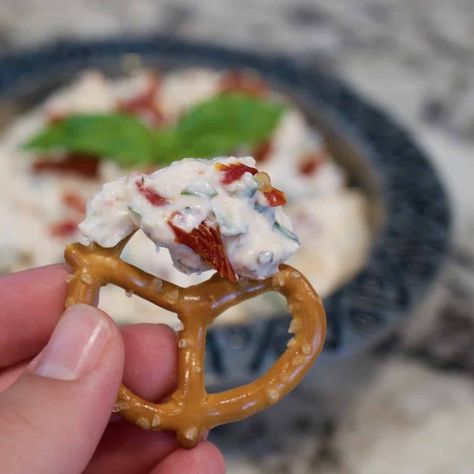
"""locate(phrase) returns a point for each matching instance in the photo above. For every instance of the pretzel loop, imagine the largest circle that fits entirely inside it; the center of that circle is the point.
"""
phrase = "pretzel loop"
(190, 410)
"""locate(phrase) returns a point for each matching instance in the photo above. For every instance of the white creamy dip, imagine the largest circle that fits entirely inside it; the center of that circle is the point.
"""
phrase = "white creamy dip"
(256, 236)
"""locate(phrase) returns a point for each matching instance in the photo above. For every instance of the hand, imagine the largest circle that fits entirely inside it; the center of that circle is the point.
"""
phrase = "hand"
(55, 409)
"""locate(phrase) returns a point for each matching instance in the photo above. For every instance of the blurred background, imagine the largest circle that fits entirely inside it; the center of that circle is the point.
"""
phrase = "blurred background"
(408, 406)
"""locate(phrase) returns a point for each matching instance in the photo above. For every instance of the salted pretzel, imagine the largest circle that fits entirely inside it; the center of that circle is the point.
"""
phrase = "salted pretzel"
(190, 410)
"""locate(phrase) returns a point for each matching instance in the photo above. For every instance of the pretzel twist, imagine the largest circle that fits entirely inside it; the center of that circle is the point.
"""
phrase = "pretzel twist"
(190, 410)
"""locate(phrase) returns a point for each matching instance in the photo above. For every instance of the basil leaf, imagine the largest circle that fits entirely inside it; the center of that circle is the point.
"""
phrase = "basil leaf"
(225, 123)
(120, 137)
(166, 146)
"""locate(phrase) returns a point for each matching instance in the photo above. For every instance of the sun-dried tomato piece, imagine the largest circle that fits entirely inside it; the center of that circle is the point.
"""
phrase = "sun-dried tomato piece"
(144, 104)
(275, 197)
(151, 195)
(243, 81)
(206, 241)
(81, 164)
(64, 228)
(262, 151)
(310, 163)
(75, 202)
(233, 171)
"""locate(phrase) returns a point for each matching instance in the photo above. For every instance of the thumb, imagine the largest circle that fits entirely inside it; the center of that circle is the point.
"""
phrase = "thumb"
(52, 418)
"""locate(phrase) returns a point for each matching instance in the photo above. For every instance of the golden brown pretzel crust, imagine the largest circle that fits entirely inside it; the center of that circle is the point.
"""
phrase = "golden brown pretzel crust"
(190, 410)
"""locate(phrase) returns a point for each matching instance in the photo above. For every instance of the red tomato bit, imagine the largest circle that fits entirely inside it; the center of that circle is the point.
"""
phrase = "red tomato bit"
(75, 202)
(234, 171)
(80, 164)
(262, 151)
(245, 82)
(144, 104)
(275, 197)
(311, 162)
(64, 228)
(206, 241)
(153, 197)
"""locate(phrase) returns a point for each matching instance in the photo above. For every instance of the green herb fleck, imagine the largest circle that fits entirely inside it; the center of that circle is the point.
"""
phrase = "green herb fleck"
(286, 232)
(136, 215)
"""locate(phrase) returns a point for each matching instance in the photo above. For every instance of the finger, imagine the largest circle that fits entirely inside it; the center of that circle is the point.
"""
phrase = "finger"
(150, 371)
(151, 361)
(120, 440)
(11, 374)
(52, 418)
(32, 302)
(205, 458)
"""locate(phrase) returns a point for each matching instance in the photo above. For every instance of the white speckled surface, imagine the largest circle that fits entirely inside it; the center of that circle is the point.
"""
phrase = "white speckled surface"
(408, 408)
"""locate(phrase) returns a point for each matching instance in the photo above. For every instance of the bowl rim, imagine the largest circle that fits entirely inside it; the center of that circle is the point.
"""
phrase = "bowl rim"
(414, 236)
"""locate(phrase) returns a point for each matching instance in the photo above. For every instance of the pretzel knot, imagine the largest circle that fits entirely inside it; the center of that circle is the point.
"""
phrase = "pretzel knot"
(190, 410)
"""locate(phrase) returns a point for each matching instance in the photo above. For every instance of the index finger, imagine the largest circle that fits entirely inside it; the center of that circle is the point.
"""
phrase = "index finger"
(31, 301)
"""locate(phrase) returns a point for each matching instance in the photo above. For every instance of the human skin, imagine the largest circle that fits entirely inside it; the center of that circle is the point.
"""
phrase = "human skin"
(55, 407)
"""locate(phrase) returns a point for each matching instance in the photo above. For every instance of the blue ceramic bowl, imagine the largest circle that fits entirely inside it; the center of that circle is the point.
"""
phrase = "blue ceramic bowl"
(410, 211)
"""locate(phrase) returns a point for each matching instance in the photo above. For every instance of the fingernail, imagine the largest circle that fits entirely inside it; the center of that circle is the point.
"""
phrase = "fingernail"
(76, 345)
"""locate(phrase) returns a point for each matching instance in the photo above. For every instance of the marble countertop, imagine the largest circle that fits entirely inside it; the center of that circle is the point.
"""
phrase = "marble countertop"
(408, 406)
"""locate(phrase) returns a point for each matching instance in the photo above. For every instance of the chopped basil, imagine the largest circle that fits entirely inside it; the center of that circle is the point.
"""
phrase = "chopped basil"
(286, 232)
(193, 191)
(136, 215)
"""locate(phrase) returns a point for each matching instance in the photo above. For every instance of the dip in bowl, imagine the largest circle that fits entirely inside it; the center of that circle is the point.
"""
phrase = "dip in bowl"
(370, 211)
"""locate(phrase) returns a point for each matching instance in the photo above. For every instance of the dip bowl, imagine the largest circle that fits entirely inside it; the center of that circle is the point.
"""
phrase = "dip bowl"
(409, 211)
